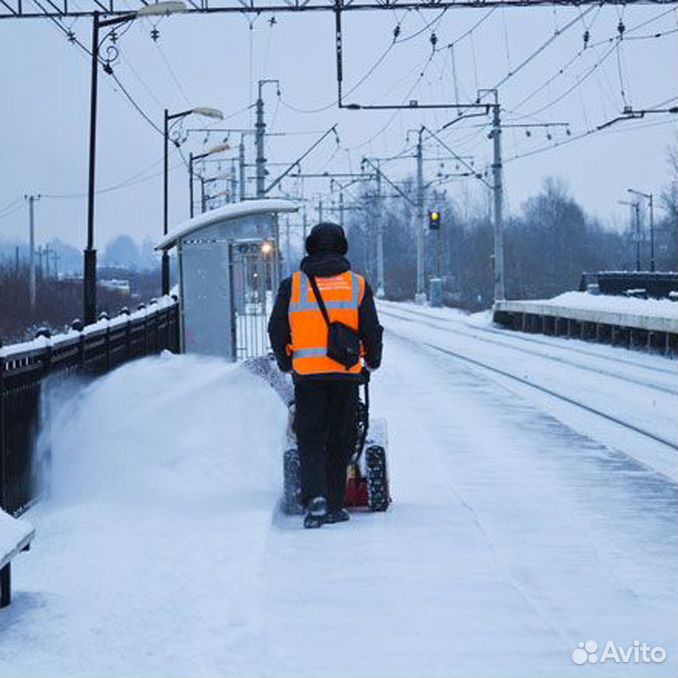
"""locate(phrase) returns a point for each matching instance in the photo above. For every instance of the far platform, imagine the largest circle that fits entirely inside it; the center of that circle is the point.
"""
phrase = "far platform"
(626, 321)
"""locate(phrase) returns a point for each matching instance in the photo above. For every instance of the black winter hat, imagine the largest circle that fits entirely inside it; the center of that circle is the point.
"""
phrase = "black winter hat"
(327, 237)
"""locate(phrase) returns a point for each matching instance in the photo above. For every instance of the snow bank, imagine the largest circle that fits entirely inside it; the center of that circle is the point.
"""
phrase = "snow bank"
(165, 476)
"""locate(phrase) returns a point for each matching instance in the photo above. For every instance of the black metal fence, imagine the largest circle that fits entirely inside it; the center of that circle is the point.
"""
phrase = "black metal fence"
(88, 351)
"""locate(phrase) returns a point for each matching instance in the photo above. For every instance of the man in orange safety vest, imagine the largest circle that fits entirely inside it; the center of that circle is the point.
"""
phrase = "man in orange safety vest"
(326, 391)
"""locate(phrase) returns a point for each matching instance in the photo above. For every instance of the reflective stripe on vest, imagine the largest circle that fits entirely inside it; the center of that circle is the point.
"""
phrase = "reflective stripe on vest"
(342, 295)
(305, 305)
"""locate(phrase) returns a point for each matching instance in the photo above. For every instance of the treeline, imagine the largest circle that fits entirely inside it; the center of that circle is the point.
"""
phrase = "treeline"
(548, 245)
(59, 302)
(57, 257)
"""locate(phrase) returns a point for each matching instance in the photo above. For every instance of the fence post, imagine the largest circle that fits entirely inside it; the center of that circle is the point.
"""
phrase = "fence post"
(78, 327)
(156, 334)
(3, 450)
(128, 343)
(141, 307)
(46, 359)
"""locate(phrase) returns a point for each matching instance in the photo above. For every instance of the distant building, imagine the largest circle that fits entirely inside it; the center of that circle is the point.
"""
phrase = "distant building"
(115, 285)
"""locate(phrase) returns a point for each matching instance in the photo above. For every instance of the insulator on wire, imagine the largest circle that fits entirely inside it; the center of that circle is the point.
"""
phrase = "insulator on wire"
(434, 40)
(396, 32)
(621, 28)
(587, 37)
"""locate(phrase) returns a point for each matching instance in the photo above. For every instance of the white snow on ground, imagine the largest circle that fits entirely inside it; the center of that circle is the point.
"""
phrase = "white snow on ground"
(660, 308)
(148, 555)
(511, 538)
(639, 388)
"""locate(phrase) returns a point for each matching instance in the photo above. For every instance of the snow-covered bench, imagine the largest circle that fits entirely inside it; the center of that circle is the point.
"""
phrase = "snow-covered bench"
(15, 536)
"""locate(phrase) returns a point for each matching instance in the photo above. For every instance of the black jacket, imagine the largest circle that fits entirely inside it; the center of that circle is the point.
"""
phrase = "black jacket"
(324, 265)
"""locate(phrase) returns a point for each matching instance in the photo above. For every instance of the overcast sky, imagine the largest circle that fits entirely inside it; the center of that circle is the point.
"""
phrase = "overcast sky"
(205, 60)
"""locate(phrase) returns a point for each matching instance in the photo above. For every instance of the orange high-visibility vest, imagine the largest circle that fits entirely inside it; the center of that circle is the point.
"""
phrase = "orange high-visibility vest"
(342, 295)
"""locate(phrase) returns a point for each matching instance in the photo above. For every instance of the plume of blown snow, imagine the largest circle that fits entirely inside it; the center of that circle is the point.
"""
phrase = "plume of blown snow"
(189, 432)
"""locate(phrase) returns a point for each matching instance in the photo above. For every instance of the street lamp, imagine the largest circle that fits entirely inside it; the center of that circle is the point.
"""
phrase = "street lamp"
(90, 254)
(635, 206)
(650, 198)
(220, 148)
(206, 112)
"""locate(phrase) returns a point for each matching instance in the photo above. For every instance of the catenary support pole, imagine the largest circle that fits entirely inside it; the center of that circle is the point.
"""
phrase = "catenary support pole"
(380, 237)
(498, 193)
(234, 183)
(420, 296)
(90, 254)
(190, 184)
(260, 127)
(636, 209)
(165, 261)
(241, 166)
(31, 251)
(652, 261)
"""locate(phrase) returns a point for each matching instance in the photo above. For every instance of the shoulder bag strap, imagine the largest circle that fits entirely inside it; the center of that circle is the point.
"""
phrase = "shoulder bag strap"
(319, 299)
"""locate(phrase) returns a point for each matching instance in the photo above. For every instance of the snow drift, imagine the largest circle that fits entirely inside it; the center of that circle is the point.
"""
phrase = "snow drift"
(165, 476)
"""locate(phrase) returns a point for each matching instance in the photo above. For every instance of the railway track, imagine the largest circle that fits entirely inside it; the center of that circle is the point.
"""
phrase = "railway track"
(669, 370)
(632, 427)
(477, 334)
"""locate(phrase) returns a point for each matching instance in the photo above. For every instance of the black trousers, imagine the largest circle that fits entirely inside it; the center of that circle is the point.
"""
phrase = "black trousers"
(325, 425)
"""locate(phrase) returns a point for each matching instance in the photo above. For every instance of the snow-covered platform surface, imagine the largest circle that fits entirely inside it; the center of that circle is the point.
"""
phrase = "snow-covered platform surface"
(519, 527)
(660, 315)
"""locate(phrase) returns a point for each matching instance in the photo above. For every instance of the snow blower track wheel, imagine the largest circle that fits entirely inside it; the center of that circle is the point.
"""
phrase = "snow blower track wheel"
(292, 483)
(377, 478)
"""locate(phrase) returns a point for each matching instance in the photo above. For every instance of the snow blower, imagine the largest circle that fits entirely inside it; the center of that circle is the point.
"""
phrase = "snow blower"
(367, 485)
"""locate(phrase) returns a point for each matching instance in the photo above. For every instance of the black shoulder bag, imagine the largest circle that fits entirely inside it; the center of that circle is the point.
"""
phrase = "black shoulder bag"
(343, 342)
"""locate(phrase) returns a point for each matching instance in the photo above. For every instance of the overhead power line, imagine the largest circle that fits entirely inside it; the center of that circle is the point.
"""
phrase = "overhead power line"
(18, 9)
(603, 127)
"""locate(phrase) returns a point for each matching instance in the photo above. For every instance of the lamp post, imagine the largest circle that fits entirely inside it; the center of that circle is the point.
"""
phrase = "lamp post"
(635, 206)
(650, 198)
(193, 158)
(169, 119)
(90, 253)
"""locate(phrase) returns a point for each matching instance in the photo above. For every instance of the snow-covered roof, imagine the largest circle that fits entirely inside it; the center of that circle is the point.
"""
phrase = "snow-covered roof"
(230, 211)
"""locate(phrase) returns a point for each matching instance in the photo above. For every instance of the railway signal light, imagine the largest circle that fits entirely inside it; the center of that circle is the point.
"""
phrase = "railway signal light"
(434, 220)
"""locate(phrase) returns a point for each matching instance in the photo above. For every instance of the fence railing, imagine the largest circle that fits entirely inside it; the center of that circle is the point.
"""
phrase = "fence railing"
(88, 351)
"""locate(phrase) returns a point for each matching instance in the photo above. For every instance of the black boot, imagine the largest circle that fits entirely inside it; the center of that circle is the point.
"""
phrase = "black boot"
(339, 516)
(316, 512)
